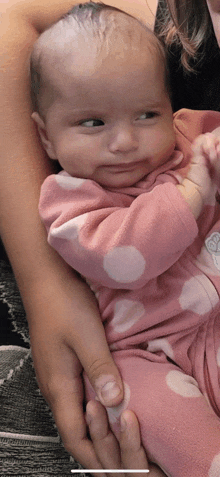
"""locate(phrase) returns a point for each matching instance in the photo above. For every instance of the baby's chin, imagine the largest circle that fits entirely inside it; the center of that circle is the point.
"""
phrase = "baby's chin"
(119, 181)
(117, 184)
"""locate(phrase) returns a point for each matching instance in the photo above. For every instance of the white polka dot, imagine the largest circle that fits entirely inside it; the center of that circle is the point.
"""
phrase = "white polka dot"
(69, 230)
(124, 264)
(160, 344)
(65, 181)
(182, 384)
(198, 295)
(126, 314)
(214, 470)
(218, 357)
(115, 412)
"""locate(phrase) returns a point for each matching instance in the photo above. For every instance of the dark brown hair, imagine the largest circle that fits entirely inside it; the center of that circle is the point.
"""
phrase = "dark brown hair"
(187, 24)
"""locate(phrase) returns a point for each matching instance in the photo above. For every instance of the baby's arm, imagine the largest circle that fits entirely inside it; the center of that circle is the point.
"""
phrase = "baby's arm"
(204, 172)
(96, 230)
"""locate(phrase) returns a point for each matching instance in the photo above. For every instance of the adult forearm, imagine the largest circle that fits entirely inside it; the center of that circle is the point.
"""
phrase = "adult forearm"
(60, 309)
(23, 165)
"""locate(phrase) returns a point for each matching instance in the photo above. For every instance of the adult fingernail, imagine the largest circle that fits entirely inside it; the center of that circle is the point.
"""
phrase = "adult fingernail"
(110, 391)
(107, 389)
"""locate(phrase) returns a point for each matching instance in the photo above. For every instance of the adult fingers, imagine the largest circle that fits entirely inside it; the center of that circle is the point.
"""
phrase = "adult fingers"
(133, 455)
(126, 452)
(59, 377)
(87, 337)
(104, 442)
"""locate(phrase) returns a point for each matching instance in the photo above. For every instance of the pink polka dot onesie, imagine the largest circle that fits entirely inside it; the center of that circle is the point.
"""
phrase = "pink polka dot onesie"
(155, 272)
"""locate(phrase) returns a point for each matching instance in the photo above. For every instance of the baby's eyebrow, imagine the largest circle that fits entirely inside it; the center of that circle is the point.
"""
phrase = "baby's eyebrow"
(85, 112)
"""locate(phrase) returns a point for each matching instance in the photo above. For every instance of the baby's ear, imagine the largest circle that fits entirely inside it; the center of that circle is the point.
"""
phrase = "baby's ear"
(47, 144)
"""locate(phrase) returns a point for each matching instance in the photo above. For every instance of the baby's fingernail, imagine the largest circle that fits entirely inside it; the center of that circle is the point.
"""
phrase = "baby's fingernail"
(123, 424)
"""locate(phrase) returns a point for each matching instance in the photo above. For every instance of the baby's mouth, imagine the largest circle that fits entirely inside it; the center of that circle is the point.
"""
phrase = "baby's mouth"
(124, 166)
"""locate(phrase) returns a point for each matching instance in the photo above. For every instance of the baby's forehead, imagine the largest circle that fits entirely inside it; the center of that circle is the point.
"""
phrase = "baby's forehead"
(83, 62)
(75, 46)
(113, 31)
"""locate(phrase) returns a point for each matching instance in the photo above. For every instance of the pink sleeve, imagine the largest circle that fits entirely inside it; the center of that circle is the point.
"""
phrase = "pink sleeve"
(189, 124)
(111, 238)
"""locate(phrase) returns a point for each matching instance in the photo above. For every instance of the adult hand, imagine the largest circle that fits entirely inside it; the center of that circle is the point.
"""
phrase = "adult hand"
(125, 452)
(65, 326)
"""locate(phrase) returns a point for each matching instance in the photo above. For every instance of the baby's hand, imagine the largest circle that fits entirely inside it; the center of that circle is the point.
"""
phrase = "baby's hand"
(207, 145)
(205, 163)
(198, 187)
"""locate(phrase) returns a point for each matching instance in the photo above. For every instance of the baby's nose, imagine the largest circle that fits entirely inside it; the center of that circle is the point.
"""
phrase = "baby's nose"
(124, 140)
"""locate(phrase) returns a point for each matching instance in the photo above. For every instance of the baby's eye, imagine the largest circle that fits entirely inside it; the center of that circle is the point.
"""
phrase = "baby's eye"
(148, 115)
(91, 123)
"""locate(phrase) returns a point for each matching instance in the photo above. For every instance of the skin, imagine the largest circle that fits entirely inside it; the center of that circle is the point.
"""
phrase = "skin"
(114, 125)
(48, 287)
(110, 124)
(123, 453)
(111, 121)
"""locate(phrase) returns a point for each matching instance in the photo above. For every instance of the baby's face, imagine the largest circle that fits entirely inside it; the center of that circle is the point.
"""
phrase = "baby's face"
(112, 121)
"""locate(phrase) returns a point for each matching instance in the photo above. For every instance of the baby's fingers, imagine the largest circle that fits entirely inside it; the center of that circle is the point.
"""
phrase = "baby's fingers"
(210, 146)
(207, 145)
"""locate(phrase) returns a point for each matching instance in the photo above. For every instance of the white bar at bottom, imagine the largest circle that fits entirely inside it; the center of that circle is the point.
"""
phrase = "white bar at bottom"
(104, 471)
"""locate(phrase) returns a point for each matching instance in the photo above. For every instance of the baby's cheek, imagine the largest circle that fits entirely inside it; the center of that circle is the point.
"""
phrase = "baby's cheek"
(162, 148)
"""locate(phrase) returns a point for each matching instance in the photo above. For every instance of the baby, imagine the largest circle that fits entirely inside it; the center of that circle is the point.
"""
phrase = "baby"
(135, 212)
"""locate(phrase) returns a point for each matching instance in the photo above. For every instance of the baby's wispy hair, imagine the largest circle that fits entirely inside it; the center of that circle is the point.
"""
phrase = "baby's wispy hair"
(101, 27)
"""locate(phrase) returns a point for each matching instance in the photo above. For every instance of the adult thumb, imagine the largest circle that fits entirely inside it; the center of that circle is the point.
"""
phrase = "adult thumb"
(104, 377)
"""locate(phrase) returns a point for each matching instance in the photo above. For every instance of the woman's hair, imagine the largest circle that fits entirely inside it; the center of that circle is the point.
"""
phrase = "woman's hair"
(187, 24)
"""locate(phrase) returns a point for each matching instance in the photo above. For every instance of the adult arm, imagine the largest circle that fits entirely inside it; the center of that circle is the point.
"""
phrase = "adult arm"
(53, 297)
